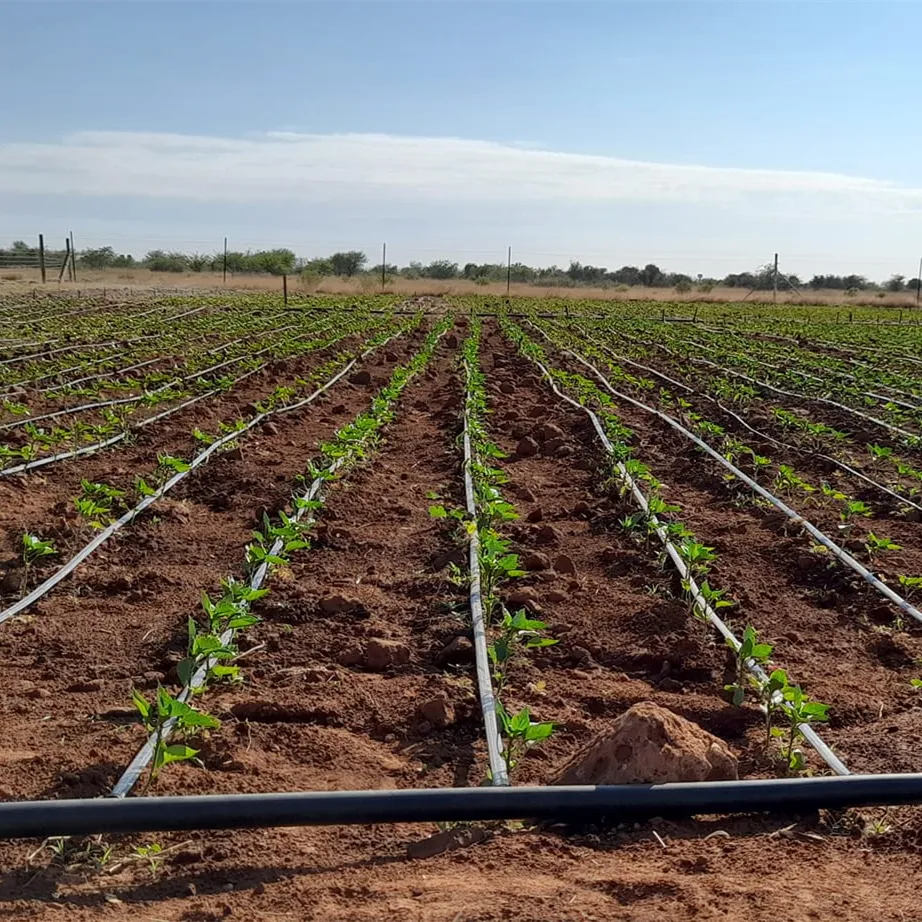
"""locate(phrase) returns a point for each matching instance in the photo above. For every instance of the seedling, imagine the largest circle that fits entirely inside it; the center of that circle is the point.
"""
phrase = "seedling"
(911, 584)
(697, 556)
(750, 653)
(166, 715)
(520, 734)
(517, 632)
(874, 544)
(33, 550)
(855, 507)
(800, 710)
(152, 856)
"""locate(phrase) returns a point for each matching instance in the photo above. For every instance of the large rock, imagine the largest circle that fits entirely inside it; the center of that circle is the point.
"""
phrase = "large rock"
(649, 745)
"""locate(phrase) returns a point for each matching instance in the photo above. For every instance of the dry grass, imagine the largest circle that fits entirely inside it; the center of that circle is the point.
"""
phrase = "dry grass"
(144, 279)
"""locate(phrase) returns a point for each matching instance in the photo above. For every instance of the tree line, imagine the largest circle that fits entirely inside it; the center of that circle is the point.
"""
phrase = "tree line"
(353, 263)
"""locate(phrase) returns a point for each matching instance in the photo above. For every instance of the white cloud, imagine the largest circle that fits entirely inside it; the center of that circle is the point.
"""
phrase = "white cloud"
(286, 166)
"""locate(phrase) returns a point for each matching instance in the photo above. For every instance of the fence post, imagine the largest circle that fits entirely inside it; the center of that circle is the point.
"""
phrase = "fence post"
(285, 288)
(225, 260)
(66, 264)
(41, 255)
(73, 257)
(775, 281)
(508, 271)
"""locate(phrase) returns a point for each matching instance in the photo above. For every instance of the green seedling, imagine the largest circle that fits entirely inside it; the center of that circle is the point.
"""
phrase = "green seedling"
(879, 452)
(874, 544)
(855, 507)
(800, 710)
(520, 733)
(33, 550)
(516, 632)
(167, 715)
(750, 653)
(916, 683)
(152, 856)
(912, 585)
(833, 493)
(788, 481)
(698, 557)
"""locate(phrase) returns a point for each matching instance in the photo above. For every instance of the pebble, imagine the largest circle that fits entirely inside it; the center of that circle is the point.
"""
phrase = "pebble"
(536, 561)
(381, 654)
(548, 534)
(526, 448)
(564, 565)
(459, 651)
(438, 711)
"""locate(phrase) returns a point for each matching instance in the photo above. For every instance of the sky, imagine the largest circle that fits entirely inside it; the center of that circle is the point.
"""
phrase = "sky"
(703, 137)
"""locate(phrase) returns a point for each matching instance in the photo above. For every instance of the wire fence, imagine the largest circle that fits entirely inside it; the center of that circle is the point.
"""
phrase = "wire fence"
(214, 261)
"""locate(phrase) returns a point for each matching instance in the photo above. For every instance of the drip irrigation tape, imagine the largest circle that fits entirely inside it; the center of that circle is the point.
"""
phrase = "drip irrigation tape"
(763, 435)
(128, 517)
(825, 753)
(498, 773)
(145, 754)
(838, 552)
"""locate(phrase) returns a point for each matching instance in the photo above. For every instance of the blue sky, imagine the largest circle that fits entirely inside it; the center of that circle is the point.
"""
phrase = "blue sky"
(702, 136)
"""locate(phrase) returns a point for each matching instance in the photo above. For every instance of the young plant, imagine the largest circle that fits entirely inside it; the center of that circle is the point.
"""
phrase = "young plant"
(750, 653)
(516, 632)
(33, 550)
(800, 710)
(874, 544)
(167, 715)
(520, 733)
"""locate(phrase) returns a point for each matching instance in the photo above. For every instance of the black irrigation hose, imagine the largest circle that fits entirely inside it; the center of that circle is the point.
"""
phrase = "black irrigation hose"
(580, 804)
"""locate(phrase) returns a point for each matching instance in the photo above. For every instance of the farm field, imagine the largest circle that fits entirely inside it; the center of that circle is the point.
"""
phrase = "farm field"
(255, 520)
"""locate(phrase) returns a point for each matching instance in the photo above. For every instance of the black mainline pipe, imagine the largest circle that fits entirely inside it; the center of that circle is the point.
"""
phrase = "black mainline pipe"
(619, 803)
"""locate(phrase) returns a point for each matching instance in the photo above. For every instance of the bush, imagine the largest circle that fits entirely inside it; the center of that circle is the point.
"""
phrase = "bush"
(683, 287)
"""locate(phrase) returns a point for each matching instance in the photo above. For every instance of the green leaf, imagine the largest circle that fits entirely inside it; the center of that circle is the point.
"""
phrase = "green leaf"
(142, 705)
(178, 752)
(539, 731)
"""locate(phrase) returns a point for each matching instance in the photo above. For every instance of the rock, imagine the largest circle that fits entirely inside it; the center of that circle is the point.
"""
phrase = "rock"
(526, 448)
(523, 493)
(457, 556)
(650, 745)
(564, 565)
(351, 656)
(337, 604)
(564, 451)
(552, 446)
(448, 841)
(556, 595)
(522, 596)
(582, 509)
(381, 654)
(439, 712)
(536, 561)
(361, 378)
(459, 652)
(39, 693)
(549, 431)
(548, 534)
(536, 515)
